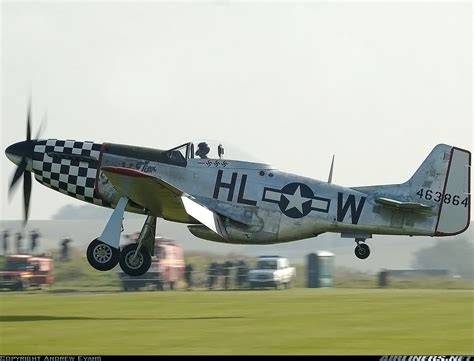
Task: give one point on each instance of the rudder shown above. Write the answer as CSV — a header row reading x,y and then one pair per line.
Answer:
x,y
443,180
455,208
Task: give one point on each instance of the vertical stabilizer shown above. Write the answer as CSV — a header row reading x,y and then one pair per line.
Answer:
x,y
443,179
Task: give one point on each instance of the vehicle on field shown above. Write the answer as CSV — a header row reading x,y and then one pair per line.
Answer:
x,y
167,268
22,271
271,271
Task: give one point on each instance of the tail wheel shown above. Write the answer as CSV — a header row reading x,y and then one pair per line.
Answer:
x,y
362,251
135,265
102,256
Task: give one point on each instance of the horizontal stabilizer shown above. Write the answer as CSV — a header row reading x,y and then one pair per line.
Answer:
x,y
403,206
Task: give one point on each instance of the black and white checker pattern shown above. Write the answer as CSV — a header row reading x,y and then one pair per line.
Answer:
x,y
69,167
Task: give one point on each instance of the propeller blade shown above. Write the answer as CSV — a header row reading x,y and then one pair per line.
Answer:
x,y
28,124
26,194
19,171
44,123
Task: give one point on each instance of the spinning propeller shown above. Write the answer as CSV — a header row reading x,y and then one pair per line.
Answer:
x,y
21,154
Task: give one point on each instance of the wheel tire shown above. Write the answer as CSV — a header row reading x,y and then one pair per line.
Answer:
x,y
101,256
362,251
136,267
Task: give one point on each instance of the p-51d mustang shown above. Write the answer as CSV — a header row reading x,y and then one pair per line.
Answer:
x,y
233,201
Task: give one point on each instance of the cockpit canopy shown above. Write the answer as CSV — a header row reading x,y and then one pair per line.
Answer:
x,y
208,149
198,149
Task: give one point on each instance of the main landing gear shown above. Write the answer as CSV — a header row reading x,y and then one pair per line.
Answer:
x,y
104,252
102,256
135,258
362,250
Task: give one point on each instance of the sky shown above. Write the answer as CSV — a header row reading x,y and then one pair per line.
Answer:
x,y
378,84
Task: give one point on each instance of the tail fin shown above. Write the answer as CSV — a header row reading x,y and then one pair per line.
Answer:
x,y
444,178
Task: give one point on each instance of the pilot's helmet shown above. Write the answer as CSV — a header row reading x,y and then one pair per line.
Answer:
x,y
203,148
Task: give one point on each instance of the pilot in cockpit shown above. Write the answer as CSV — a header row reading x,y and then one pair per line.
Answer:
x,y
203,150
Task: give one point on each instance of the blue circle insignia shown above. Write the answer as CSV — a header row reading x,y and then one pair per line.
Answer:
x,y
296,200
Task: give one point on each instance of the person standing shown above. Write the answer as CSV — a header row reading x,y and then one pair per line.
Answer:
x,y
19,238
226,267
241,273
188,275
5,240
65,249
212,275
34,236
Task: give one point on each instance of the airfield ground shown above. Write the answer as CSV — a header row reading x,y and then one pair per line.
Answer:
x,y
295,321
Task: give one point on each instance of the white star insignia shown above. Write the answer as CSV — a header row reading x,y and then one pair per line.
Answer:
x,y
295,200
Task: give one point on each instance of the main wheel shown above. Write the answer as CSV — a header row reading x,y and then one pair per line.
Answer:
x,y
362,251
101,256
135,265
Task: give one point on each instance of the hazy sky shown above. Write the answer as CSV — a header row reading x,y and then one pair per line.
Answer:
x,y
378,84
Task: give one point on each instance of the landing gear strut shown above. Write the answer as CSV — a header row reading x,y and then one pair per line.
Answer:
x,y
362,250
135,258
103,252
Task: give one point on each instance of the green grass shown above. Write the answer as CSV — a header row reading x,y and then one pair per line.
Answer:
x,y
296,321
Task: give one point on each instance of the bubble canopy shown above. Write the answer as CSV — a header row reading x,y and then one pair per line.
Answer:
x,y
213,149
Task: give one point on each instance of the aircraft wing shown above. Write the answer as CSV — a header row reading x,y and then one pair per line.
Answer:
x,y
403,206
162,198
152,193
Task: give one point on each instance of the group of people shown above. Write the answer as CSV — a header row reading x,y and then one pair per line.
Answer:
x,y
219,274
33,246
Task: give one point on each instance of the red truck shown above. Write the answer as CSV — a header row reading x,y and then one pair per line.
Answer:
x,y
22,271
167,268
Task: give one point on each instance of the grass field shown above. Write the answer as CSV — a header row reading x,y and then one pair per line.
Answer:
x,y
296,321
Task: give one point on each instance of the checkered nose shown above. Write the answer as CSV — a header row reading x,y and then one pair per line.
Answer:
x,y
69,167
21,150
